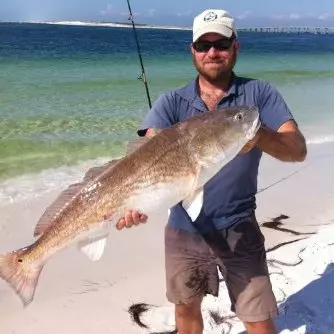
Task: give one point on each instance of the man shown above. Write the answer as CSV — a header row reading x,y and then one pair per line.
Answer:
x,y
226,234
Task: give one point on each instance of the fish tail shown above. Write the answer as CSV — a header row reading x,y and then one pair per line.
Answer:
x,y
20,274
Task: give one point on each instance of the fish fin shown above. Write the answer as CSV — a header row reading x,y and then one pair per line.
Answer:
x,y
135,144
56,207
93,247
94,172
21,276
67,196
193,204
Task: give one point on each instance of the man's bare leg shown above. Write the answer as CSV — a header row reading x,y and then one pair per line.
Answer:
x,y
261,327
188,318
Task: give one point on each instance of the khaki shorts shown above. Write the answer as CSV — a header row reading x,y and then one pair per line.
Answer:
x,y
193,259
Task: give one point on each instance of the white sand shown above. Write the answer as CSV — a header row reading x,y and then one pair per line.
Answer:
x,y
75,295
305,292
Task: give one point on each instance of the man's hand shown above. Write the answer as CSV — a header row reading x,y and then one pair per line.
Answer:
x,y
285,144
134,217
251,143
131,217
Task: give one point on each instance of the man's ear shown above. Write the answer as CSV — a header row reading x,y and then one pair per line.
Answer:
x,y
237,45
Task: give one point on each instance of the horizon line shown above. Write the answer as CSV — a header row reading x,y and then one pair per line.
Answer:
x,y
145,25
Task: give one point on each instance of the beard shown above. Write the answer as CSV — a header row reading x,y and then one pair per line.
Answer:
x,y
216,69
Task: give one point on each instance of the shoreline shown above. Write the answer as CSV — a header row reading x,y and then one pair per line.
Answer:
x,y
25,186
315,141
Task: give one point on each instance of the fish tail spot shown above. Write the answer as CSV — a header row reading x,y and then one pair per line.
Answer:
x,y
21,275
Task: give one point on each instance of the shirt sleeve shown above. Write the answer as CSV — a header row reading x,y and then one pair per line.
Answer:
x,y
160,116
274,111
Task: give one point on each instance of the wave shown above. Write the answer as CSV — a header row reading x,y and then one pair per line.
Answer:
x,y
32,185
320,139
39,183
282,77
110,24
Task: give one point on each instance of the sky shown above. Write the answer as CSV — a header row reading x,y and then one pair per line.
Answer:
x,y
172,12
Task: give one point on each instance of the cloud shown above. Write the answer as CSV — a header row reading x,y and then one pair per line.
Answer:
x,y
244,15
294,16
108,10
187,13
151,12
325,16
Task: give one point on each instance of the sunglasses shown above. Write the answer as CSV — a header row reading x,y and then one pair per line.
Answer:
x,y
220,45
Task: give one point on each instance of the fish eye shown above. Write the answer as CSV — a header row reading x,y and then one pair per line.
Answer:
x,y
238,117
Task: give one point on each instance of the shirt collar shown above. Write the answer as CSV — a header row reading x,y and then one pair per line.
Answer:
x,y
189,92
235,88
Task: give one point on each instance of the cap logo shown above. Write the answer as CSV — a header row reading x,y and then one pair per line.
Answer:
x,y
211,16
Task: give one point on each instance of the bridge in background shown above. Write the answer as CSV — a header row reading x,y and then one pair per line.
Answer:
x,y
295,30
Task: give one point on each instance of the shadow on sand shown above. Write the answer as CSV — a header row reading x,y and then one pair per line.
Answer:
x,y
312,308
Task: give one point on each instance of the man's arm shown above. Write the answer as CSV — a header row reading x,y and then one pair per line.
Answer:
x,y
287,144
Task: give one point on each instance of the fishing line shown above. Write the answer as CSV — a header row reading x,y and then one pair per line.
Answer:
x,y
143,74
282,180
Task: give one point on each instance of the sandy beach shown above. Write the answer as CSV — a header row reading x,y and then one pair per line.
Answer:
x,y
75,295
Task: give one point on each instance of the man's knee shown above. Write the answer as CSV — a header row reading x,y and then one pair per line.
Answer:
x,y
189,310
261,327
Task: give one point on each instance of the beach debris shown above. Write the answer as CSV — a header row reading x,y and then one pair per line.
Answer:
x,y
169,168
276,224
138,311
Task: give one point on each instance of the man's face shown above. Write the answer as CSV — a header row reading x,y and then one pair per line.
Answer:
x,y
214,62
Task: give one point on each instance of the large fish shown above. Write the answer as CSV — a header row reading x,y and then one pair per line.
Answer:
x,y
170,168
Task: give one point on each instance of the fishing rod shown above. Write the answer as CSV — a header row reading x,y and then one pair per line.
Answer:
x,y
143,74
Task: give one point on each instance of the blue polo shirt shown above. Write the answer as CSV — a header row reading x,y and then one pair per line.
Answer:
x,y
230,194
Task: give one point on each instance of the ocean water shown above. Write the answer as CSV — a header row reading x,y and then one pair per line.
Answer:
x,y
71,94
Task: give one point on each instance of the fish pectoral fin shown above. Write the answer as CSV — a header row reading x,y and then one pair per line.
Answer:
x,y
193,204
93,247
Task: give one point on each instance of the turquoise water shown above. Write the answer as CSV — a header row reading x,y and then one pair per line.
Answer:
x,y
70,94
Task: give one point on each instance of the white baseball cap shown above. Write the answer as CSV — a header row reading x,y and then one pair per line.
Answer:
x,y
213,20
